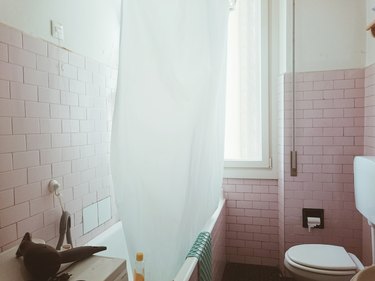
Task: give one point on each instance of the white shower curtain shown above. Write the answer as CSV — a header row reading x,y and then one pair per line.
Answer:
x,y
168,126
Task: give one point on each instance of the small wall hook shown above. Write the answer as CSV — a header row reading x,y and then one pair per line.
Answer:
x,y
53,187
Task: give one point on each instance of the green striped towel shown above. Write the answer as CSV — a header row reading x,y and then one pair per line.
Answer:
x,y
202,251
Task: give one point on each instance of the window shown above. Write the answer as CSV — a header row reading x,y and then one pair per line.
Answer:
x,y
247,124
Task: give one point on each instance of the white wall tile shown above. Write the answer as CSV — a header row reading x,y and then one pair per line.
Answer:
x,y
11,36
104,210
10,108
25,159
13,179
5,126
35,77
37,141
48,95
12,143
37,109
61,168
4,89
11,72
46,130
4,52
34,45
48,156
26,126
90,217
47,64
60,140
50,126
39,173
60,111
22,57
5,162
20,91
58,82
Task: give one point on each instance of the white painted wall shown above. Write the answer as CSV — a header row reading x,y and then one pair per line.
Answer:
x,y
329,34
370,49
91,26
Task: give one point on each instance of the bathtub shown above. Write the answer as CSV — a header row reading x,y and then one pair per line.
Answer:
x,y
216,226
113,238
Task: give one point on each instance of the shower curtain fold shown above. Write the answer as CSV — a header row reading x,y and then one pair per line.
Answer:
x,y
168,126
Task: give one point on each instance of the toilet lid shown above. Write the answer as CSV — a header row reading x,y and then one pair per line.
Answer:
x,y
321,257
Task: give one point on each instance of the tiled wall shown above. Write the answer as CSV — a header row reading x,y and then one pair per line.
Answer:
x,y
55,120
218,246
252,221
369,146
329,133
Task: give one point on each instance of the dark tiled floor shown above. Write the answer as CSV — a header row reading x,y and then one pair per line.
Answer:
x,y
246,272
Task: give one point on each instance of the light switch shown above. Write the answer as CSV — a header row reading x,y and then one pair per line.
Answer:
x,y
57,30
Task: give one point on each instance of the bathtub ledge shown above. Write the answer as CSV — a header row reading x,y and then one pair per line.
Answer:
x,y
187,269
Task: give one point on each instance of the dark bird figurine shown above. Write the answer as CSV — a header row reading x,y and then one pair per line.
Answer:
x,y
43,261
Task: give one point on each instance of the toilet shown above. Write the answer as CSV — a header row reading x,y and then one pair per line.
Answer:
x,y
320,262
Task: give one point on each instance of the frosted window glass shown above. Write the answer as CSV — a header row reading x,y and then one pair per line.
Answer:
x,y
243,124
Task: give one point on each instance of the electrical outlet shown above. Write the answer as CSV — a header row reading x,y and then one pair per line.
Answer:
x,y
57,30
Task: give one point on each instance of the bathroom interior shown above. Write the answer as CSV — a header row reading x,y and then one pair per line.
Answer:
x,y
114,112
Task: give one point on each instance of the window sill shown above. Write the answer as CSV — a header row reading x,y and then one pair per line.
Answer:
x,y
251,173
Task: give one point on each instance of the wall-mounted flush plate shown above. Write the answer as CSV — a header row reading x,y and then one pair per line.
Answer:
x,y
315,213
57,30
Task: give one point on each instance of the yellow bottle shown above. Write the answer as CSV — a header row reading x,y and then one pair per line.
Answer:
x,y
139,268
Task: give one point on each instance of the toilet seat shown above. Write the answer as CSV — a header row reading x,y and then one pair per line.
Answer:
x,y
321,259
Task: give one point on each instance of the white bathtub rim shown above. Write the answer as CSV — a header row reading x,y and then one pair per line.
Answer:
x,y
190,263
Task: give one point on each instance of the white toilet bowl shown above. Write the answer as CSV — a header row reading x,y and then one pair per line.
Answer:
x,y
319,262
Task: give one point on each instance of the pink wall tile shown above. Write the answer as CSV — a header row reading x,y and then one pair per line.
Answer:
x,y
41,136
251,213
327,169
